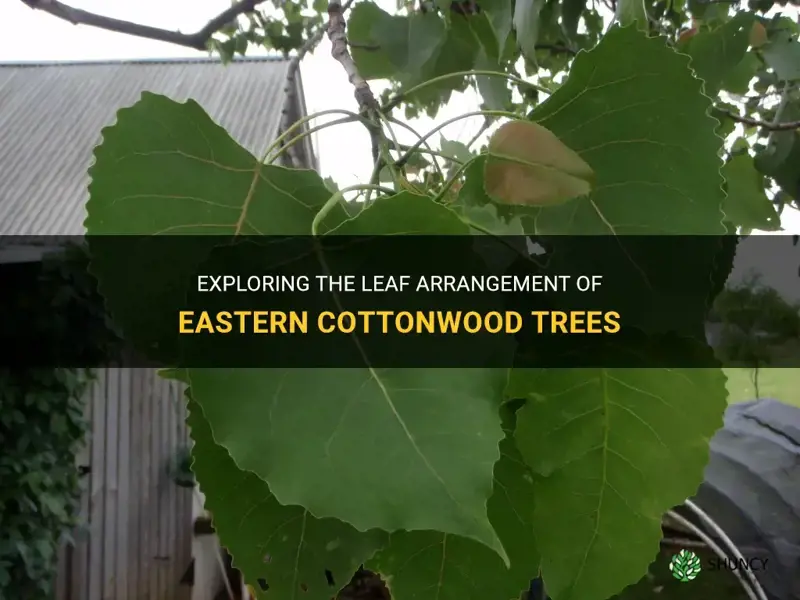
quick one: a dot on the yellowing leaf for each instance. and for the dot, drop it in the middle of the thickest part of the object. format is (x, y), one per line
(758, 35)
(527, 164)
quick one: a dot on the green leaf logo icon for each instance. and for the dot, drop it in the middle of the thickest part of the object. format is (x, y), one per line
(685, 565)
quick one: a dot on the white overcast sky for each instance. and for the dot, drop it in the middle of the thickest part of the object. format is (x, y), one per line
(29, 35)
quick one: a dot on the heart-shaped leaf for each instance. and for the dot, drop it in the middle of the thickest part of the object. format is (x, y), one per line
(528, 165)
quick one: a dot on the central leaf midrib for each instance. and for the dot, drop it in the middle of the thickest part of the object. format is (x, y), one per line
(604, 476)
(401, 421)
(390, 403)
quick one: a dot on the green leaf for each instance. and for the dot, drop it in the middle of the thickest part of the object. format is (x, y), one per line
(472, 192)
(457, 53)
(571, 11)
(717, 53)
(486, 219)
(373, 61)
(494, 90)
(782, 54)
(781, 159)
(631, 109)
(406, 213)
(611, 450)
(455, 150)
(325, 439)
(526, 24)
(500, 14)
(430, 565)
(632, 12)
(747, 205)
(400, 47)
(331, 185)
(737, 81)
(412, 43)
(286, 546)
(526, 164)
(166, 168)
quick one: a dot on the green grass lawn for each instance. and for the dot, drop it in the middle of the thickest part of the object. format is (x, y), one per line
(781, 384)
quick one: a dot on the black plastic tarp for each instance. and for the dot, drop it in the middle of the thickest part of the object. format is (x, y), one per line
(752, 489)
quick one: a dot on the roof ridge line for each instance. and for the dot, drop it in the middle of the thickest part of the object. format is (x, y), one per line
(140, 61)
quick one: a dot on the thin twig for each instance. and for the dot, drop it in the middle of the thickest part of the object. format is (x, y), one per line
(556, 49)
(784, 102)
(487, 122)
(786, 126)
(197, 40)
(367, 47)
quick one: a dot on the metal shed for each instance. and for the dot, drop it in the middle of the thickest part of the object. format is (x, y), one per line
(136, 542)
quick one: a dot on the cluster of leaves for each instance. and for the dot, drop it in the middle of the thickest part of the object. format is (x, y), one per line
(42, 422)
(756, 321)
(457, 483)
(282, 26)
(748, 61)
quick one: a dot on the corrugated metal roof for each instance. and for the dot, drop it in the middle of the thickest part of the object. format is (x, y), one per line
(51, 115)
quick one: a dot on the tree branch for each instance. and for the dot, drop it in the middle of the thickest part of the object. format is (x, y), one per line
(337, 34)
(291, 73)
(487, 122)
(556, 49)
(786, 126)
(197, 40)
(368, 106)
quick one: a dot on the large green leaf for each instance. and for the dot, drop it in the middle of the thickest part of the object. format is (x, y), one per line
(166, 169)
(718, 52)
(377, 448)
(747, 205)
(632, 109)
(430, 565)
(611, 450)
(285, 547)
(325, 439)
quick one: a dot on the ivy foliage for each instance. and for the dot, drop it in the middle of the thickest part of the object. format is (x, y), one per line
(42, 424)
(613, 131)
